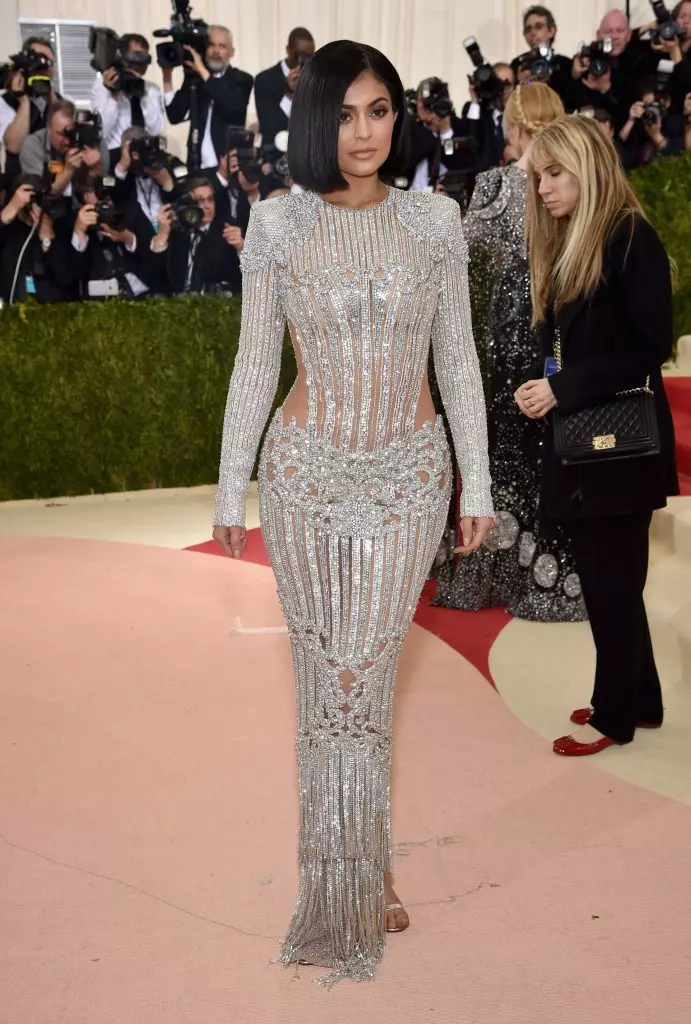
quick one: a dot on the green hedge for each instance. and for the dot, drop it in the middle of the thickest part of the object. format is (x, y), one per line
(664, 188)
(107, 396)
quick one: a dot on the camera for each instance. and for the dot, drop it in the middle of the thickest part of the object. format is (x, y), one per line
(538, 62)
(488, 87)
(652, 113)
(188, 213)
(184, 31)
(108, 53)
(147, 154)
(599, 54)
(411, 102)
(435, 96)
(34, 66)
(45, 200)
(242, 141)
(667, 28)
(85, 132)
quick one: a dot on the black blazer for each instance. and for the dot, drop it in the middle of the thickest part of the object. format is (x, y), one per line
(611, 342)
(53, 272)
(215, 263)
(230, 94)
(269, 90)
(103, 259)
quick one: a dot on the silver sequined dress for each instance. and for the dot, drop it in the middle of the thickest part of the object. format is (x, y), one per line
(525, 563)
(352, 507)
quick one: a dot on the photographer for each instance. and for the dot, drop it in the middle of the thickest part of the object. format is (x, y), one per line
(33, 260)
(672, 40)
(651, 130)
(592, 82)
(108, 244)
(144, 173)
(240, 184)
(24, 105)
(66, 146)
(274, 88)
(224, 94)
(485, 112)
(540, 32)
(632, 55)
(197, 254)
(123, 98)
(435, 123)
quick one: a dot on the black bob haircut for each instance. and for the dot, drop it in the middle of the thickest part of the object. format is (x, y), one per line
(316, 114)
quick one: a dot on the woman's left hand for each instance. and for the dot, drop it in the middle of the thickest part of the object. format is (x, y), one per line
(474, 529)
(535, 398)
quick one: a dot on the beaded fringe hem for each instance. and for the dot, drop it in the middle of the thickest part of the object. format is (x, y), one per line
(339, 921)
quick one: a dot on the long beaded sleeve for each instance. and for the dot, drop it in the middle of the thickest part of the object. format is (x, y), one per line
(458, 371)
(256, 371)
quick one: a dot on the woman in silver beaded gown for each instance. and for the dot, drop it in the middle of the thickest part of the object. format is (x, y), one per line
(355, 472)
(523, 563)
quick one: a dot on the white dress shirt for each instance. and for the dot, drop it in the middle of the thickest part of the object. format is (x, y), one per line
(208, 153)
(421, 176)
(287, 101)
(116, 112)
(138, 287)
(7, 116)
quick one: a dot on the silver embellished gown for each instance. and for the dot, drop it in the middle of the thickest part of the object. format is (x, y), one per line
(352, 505)
(525, 563)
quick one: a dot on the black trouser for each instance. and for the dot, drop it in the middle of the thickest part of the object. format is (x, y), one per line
(611, 556)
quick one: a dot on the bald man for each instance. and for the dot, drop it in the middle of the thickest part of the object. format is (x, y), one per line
(223, 96)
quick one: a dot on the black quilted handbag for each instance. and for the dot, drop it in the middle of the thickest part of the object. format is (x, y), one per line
(623, 428)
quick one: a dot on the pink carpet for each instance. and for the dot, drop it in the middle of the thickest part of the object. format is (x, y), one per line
(472, 634)
(147, 786)
(679, 394)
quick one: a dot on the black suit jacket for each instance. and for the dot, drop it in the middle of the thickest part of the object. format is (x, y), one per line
(269, 90)
(103, 259)
(424, 145)
(612, 341)
(215, 262)
(53, 272)
(230, 94)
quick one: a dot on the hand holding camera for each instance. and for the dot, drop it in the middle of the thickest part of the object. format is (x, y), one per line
(197, 64)
(21, 198)
(293, 79)
(86, 218)
(111, 80)
(165, 219)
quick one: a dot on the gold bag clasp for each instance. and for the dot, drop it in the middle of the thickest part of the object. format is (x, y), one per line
(604, 441)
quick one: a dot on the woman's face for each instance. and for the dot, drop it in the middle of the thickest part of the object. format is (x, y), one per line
(367, 120)
(558, 189)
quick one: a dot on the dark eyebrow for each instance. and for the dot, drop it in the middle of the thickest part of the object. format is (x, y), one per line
(385, 99)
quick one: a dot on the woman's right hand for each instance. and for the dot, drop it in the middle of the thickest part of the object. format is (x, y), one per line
(233, 539)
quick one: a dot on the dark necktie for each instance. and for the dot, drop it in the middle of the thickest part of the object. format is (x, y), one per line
(137, 112)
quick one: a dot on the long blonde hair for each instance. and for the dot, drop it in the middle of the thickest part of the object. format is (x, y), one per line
(532, 106)
(566, 254)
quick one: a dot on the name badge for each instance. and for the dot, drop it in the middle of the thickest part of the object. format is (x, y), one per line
(30, 284)
(551, 366)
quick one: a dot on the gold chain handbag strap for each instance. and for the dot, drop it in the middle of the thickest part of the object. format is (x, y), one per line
(630, 391)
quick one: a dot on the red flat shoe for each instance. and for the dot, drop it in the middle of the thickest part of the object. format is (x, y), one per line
(567, 746)
(583, 715)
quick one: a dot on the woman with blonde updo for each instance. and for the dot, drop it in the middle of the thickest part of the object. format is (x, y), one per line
(522, 564)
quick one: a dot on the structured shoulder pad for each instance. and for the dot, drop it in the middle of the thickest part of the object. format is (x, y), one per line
(267, 235)
(436, 218)
(489, 199)
(274, 224)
